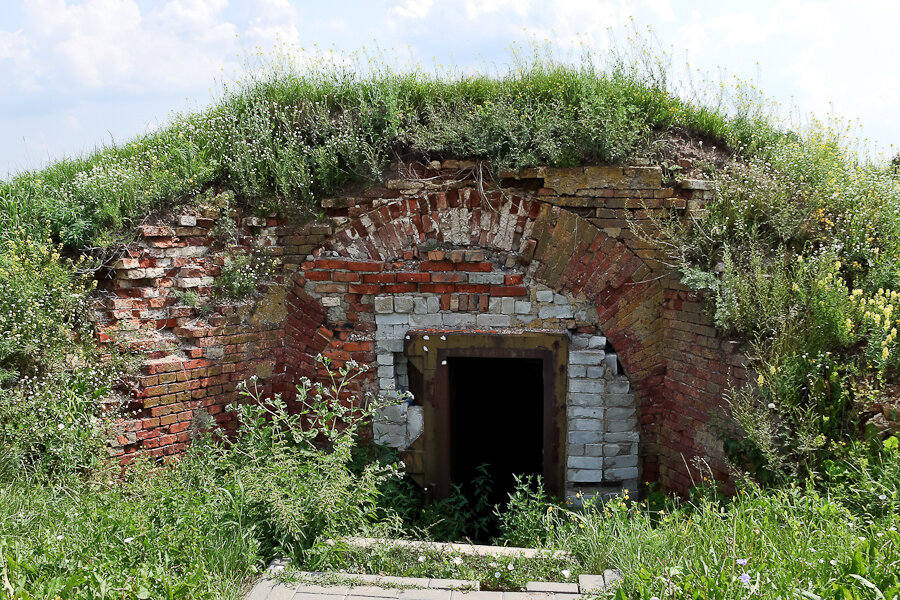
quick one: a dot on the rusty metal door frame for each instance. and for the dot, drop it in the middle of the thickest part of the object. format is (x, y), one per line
(429, 352)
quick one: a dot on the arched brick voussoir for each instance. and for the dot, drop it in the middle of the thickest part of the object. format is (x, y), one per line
(460, 218)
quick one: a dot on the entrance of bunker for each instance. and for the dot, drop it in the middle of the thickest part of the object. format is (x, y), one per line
(490, 398)
(496, 420)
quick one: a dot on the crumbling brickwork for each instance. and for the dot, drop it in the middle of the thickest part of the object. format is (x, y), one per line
(549, 250)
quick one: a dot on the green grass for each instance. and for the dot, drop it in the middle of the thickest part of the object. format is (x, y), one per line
(283, 137)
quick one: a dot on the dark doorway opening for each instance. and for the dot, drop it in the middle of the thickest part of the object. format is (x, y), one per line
(497, 408)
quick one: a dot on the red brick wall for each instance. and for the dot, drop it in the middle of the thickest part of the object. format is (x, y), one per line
(570, 229)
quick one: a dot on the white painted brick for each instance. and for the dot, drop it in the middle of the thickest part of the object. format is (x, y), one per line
(508, 305)
(385, 358)
(331, 301)
(386, 371)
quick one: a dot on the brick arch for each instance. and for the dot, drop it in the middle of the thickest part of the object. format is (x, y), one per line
(573, 256)
(566, 252)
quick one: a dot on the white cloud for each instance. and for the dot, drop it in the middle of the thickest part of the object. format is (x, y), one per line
(476, 8)
(416, 10)
(13, 46)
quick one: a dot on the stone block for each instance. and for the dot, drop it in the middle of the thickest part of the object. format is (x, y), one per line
(584, 437)
(495, 306)
(595, 372)
(622, 425)
(331, 301)
(612, 364)
(621, 461)
(386, 371)
(556, 312)
(622, 474)
(420, 305)
(575, 449)
(587, 386)
(403, 304)
(590, 583)
(584, 462)
(619, 399)
(392, 413)
(622, 436)
(594, 449)
(597, 341)
(427, 321)
(392, 319)
(579, 342)
(589, 412)
(187, 221)
(415, 424)
(551, 587)
(585, 424)
(619, 385)
(459, 320)
(620, 412)
(544, 296)
(389, 345)
(584, 475)
(492, 320)
(385, 358)
(585, 399)
(433, 304)
(523, 307)
(560, 300)
(577, 371)
(389, 434)
(486, 278)
(384, 304)
(586, 357)
(508, 305)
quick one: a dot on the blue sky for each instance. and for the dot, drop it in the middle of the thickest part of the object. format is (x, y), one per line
(79, 73)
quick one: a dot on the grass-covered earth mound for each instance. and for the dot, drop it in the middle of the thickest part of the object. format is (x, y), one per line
(797, 254)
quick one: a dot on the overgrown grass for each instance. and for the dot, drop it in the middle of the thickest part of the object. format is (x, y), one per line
(284, 136)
